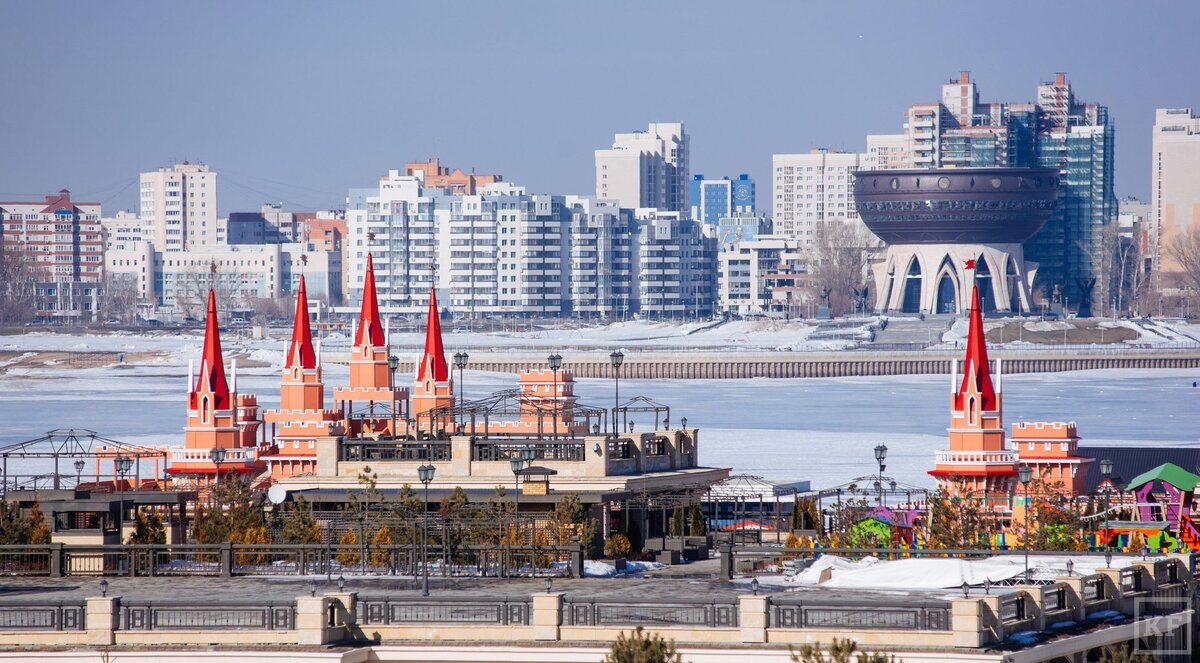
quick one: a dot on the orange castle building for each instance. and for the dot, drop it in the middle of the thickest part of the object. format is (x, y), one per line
(977, 460)
(434, 387)
(372, 402)
(301, 418)
(217, 417)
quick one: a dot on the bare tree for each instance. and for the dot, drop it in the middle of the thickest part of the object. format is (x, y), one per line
(1185, 250)
(838, 264)
(19, 275)
(191, 294)
(120, 296)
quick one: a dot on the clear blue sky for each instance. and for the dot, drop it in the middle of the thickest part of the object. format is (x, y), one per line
(297, 101)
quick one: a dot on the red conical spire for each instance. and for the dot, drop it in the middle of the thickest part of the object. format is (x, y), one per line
(300, 352)
(976, 371)
(369, 328)
(212, 370)
(433, 362)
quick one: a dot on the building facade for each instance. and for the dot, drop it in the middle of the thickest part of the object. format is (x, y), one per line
(761, 276)
(811, 189)
(436, 176)
(647, 168)
(64, 245)
(713, 200)
(507, 252)
(180, 203)
(1056, 131)
(674, 266)
(1175, 188)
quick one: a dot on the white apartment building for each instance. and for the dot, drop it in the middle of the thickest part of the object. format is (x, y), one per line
(761, 276)
(674, 266)
(886, 152)
(809, 189)
(123, 231)
(647, 168)
(1175, 183)
(180, 203)
(601, 264)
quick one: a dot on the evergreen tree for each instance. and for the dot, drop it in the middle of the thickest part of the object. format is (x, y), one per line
(38, 532)
(637, 647)
(14, 528)
(696, 525)
(840, 651)
(348, 549)
(148, 528)
(299, 527)
(379, 558)
(677, 521)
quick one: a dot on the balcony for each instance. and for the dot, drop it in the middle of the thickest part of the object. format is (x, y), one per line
(975, 457)
(202, 456)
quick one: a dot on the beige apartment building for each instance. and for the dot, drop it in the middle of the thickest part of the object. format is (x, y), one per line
(809, 189)
(180, 203)
(1175, 185)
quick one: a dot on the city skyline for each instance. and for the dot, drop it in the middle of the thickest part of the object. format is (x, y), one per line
(289, 108)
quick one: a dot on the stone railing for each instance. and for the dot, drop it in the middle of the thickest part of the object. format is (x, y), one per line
(975, 457)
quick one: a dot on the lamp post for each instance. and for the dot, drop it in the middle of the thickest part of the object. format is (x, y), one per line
(880, 455)
(460, 360)
(555, 363)
(1025, 474)
(517, 464)
(78, 472)
(393, 364)
(425, 473)
(1106, 470)
(122, 465)
(617, 358)
(218, 456)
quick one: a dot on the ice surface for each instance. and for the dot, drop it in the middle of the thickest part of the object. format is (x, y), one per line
(936, 573)
(822, 430)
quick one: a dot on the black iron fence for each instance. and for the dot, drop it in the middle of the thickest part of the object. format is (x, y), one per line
(232, 559)
(501, 450)
(502, 611)
(578, 611)
(227, 615)
(799, 612)
(372, 450)
(43, 616)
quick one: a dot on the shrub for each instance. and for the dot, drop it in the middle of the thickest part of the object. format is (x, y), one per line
(348, 549)
(617, 546)
(638, 647)
(382, 538)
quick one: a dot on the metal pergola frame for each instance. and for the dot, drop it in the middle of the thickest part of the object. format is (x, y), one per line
(642, 404)
(506, 404)
(71, 443)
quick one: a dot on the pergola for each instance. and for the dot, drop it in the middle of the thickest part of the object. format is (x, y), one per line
(506, 405)
(21, 463)
(643, 404)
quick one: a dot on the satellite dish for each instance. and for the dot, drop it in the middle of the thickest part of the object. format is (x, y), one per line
(277, 494)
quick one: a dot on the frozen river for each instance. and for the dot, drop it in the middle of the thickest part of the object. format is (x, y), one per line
(817, 429)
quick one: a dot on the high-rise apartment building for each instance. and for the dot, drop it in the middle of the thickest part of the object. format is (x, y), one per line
(761, 276)
(1175, 182)
(647, 168)
(886, 151)
(810, 189)
(436, 176)
(503, 251)
(713, 200)
(64, 243)
(1055, 131)
(180, 202)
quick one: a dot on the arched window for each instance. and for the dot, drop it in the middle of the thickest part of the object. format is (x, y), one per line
(911, 302)
(971, 420)
(204, 410)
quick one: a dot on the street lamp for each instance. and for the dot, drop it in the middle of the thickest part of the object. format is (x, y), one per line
(460, 360)
(217, 455)
(78, 472)
(880, 455)
(393, 364)
(425, 473)
(1106, 470)
(555, 363)
(122, 464)
(617, 358)
(517, 463)
(1025, 474)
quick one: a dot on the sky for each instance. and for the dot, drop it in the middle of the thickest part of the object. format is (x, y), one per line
(296, 102)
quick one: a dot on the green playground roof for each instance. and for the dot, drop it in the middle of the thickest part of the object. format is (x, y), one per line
(1167, 473)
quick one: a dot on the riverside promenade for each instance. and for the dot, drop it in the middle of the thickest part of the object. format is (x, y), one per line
(464, 619)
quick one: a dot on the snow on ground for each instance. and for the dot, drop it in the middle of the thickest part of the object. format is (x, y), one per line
(597, 569)
(931, 573)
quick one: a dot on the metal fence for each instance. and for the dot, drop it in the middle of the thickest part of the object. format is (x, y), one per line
(504, 451)
(239, 615)
(700, 613)
(503, 611)
(795, 612)
(43, 616)
(402, 451)
(444, 559)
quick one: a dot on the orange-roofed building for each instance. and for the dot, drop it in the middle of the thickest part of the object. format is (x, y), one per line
(457, 182)
(301, 418)
(218, 417)
(372, 402)
(1049, 448)
(977, 461)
